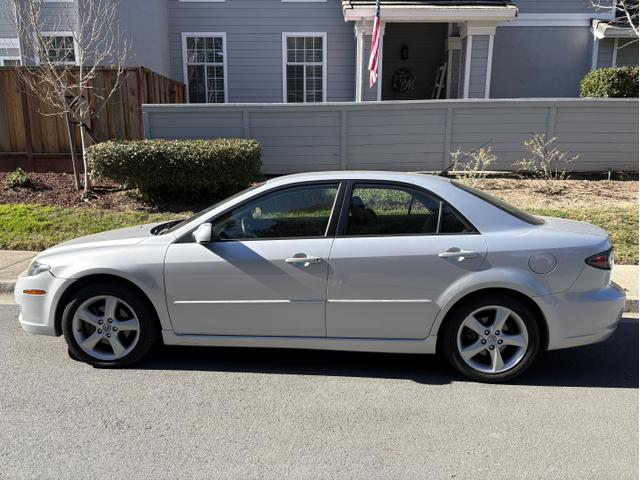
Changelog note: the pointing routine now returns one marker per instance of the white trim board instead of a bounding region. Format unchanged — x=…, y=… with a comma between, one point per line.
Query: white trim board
x=467, y=66
x=554, y=19
x=9, y=57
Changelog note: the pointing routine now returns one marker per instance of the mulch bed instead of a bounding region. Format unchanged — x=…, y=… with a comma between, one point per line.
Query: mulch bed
x=58, y=189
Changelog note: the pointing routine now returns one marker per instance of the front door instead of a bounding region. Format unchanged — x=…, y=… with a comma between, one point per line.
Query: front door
x=265, y=272
x=394, y=255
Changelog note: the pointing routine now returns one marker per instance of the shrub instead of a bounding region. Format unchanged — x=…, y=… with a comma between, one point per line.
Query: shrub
x=182, y=169
x=472, y=166
x=17, y=179
x=610, y=82
x=547, y=162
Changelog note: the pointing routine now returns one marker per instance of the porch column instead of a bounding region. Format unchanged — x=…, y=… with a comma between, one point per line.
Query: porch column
x=380, y=58
x=477, y=59
x=359, y=28
x=453, y=67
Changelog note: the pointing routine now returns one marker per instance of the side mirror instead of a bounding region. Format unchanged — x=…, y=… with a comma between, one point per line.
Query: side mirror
x=203, y=233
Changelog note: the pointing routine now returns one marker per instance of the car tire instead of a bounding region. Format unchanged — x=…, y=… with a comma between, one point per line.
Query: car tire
x=94, y=337
x=503, y=353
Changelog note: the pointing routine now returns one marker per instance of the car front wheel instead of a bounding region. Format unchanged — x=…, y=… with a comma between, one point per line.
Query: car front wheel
x=492, y=339
x=108, y=326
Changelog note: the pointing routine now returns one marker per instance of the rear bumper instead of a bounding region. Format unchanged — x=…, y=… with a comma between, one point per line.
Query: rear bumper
x=582, y=318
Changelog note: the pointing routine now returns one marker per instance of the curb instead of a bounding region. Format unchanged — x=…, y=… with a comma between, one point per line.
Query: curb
x=630, y=304
x=6, y=286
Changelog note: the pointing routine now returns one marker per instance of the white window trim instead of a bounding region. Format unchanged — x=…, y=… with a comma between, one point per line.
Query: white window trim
x=9, y=57
x=286, y=35
x=224, y=59
x=62, y=33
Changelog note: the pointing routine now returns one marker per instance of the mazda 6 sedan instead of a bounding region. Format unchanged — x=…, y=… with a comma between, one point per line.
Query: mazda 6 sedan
x=364, y=261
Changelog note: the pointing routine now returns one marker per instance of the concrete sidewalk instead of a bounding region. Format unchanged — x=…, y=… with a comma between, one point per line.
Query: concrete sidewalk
x=12, y=262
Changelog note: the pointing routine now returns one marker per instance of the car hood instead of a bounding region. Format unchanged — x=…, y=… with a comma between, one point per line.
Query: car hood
x=111, y=238
x=573, y=226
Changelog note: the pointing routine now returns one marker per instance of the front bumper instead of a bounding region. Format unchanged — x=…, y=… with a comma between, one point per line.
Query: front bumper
x=37, y=312
x=582, y=318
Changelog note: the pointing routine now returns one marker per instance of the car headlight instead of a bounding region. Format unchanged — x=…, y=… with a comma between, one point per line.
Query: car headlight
x=36, y=267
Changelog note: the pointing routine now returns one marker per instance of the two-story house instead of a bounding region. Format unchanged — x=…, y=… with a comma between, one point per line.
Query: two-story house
x=271, y=51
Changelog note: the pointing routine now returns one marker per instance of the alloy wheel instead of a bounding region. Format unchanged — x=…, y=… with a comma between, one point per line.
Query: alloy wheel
x=492, y=339
x=106, y=327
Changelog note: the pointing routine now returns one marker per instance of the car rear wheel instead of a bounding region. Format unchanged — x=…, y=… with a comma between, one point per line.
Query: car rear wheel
x=491, y=339
x=108, y=326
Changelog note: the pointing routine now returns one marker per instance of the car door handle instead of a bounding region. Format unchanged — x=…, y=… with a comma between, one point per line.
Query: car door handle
x=459, y=254
x=305, y=260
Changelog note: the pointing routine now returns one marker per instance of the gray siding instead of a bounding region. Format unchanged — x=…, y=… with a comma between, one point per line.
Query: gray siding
x=7, y=29
x=554, y=6
x=414, y=135
x=605, y=53
x=540, y=61
x=627, y=53
x=478, y=72
x=254, y=43
x=145, y=25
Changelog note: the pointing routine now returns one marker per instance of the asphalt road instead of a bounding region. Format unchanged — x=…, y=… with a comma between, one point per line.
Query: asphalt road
x=232, y=413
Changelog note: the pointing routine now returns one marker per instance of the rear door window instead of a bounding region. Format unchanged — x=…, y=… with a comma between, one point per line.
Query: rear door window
x=380, y=209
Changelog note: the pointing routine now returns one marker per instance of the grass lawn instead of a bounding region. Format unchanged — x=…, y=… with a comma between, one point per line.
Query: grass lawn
x=35, y=227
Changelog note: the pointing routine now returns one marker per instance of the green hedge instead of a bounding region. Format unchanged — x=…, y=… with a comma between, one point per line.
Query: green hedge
x=610, y=82
x=181, y=169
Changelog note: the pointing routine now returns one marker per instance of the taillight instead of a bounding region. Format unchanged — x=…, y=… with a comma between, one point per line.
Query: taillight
x=603, y=260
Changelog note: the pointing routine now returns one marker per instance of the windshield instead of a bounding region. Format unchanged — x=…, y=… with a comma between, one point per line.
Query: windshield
x=501, y=204
x=176, y=224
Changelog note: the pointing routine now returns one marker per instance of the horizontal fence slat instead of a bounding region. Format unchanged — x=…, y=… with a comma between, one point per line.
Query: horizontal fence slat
x=412, y=135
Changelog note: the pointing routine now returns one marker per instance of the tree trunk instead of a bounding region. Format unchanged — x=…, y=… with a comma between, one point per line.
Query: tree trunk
x=72, y=149
x=87, y=176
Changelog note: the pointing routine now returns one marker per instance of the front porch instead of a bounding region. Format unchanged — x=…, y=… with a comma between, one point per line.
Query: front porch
x=430, y=49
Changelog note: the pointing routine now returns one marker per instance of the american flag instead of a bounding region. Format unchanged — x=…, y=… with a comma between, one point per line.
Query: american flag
x=375, y=48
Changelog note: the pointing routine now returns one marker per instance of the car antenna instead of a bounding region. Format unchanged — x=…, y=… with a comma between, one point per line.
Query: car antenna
x=445, y=172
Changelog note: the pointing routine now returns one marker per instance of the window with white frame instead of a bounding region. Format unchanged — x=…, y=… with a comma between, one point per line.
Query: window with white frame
x=304, y=69
x=59, y=48
x=10, y=61
x=205, y=67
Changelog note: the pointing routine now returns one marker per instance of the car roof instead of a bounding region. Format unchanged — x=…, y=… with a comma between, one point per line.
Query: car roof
x=409, y=177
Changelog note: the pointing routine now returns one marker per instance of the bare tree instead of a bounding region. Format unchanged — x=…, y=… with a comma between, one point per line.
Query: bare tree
x=62, y=73
x=626, y=12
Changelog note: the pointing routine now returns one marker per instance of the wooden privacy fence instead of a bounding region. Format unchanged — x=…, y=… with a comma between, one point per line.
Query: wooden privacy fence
x=38, y=142
x=415, y=136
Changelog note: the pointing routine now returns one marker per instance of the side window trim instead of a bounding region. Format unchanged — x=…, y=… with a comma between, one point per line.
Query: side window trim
x=331, y=227
x=341, y=231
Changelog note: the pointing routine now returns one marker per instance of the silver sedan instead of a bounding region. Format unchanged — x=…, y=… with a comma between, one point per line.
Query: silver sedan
x=366, y=261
